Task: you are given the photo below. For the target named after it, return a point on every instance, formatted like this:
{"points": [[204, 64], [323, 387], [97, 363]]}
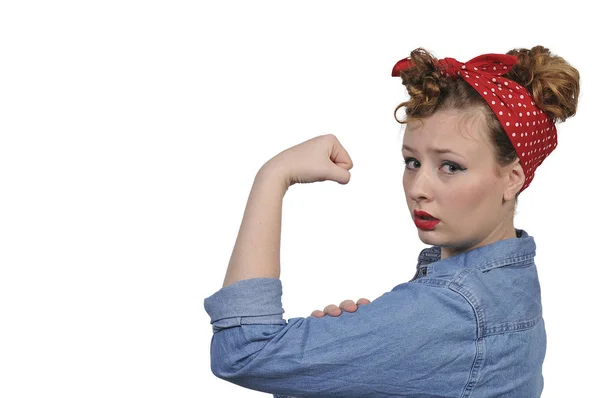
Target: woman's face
{"points": [[459, 187]]}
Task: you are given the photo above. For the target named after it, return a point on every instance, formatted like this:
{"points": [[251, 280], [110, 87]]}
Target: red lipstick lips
{"points": [[424, 220]]}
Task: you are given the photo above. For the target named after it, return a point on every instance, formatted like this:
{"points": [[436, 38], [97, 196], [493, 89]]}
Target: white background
{"points": [[131, 132]]}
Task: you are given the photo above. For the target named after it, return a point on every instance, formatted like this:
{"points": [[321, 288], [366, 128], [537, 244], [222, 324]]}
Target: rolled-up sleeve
{"points": [[413, 339], [251, 301]]}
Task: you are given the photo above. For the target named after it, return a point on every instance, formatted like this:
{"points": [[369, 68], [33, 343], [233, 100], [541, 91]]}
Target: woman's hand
{"points": [[318, 159], [346, 305]]}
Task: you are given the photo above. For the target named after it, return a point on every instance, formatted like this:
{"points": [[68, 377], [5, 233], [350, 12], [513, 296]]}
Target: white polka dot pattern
{"points": [[532, 134]]}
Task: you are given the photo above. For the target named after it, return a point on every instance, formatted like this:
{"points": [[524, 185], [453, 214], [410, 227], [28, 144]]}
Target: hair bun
{"points": [[423, 82], [552, 81]]}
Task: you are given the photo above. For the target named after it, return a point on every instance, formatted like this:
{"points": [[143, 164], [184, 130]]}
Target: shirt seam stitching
{"points": [[478, 359]]}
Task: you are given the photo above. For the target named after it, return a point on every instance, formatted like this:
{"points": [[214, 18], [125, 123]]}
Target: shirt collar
{"points": [[500, 253]]}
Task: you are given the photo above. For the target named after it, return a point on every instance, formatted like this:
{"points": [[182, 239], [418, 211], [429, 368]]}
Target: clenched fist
{"points": [[319, 159]]}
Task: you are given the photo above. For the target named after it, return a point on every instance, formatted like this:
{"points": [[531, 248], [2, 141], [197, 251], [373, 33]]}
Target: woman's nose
{"points": [[419, 185]]}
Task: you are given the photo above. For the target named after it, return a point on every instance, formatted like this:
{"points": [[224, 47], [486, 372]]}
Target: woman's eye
{"points": [[408, 160], [453, 168]]}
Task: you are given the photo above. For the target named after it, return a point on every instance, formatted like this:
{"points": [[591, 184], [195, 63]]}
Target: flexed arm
{"points": [[390, 347]]}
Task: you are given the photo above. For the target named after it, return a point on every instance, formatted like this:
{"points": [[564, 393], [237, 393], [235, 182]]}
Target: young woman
{"points": [[469, 324]]}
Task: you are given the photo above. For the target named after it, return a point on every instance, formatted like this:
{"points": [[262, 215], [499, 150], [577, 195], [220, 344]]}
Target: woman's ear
{"points": [[515, 178]]}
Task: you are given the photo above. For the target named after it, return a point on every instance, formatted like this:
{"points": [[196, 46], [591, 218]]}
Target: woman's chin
{"points": [[428, 236]]}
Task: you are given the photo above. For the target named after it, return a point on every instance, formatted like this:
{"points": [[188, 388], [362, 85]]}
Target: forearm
{"points": [[256, 253]]}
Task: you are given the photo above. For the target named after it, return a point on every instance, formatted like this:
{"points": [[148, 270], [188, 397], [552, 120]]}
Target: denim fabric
{"points": [[466, 326]]}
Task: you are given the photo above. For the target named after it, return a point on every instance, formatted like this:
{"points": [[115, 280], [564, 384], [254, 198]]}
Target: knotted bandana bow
{"points": [[530, 131]]}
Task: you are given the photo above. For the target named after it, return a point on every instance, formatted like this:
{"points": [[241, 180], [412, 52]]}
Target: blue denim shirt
{"points": [[469, 325]]}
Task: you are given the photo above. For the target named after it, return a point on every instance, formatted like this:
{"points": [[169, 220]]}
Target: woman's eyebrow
{"points": [[436, 150]]}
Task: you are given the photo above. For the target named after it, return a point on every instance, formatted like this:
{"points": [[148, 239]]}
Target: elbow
{"points": [[231, 359], [242, 370], [223, 361], [238, 355], [222, 368], [237, 369]]}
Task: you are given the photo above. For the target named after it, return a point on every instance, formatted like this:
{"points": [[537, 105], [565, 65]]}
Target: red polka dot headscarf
{"points": [[532, 134]]}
